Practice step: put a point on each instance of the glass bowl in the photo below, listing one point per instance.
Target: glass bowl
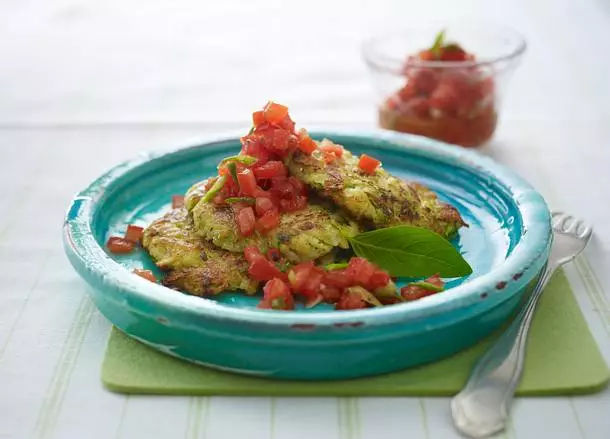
(453, 101)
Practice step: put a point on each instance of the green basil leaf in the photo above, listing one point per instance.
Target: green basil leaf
(407, 251)
(427, 286)
(244, 159)
(439, 40)
(232, 167)
(215, 189)
(336, 266)
(247, 200)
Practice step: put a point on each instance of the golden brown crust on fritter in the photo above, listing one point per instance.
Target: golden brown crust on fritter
(380, 199)
(191, 264)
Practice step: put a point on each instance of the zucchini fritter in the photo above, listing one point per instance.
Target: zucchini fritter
(380, 199)
(301, 236)
(192, 264)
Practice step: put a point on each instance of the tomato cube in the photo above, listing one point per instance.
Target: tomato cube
(247, 182)
(368, 164)
(263, 204)
(274, 168)
(378, 279)
(305, 279)
(414, 292)
(253, 147)
(252, 254)
(306, 143)
(134, 233)
(258, 118)
(275, 113)
(280, 140)
(146, 274)
(337, 279)
(287, 124)
(298, 186)
(427, 55)
(268, 221)
(332, 148)
(453, 53)
(261, 268)
(246, 221)
(276, 295)
(330, 294)
(360, 271)
(119, 245)
(350, 301)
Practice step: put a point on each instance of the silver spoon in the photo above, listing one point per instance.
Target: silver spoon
(481, 408)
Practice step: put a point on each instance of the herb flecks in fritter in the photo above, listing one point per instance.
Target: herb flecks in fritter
(192, 264)
(303, 235)
(379, 198)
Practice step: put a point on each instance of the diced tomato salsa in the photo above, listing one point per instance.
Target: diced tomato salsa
(264, 177)
(454, 104)
(314, 283)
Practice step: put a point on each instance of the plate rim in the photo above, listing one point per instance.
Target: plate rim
(98, 268)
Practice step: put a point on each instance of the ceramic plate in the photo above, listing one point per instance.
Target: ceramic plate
(506, 243)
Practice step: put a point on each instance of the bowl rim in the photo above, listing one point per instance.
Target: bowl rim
(99, 269)
(378, 61)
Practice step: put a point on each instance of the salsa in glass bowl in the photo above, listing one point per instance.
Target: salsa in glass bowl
(446, 89)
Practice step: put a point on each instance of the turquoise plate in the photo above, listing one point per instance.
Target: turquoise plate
(507, 244)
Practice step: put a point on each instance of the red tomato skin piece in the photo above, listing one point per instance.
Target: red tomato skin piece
(276, 292)
(368, 164)
(306, 143)
(275, 113)
(350, 301)
(247, 182)
(263, 205)
(118, 245)
(271, 169)
(146, 274)
(268, 221)
(246, 221)
(337, 279)
(134, 233)
(258, 118)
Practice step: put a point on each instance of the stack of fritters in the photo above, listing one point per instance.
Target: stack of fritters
(201, 251)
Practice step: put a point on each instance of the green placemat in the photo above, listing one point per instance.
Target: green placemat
(562, 358)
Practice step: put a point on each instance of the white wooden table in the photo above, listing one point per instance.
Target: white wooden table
(86, 84)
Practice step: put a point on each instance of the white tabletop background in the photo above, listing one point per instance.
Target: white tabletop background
(85, 84)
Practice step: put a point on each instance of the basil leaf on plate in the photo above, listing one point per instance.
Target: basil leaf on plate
(407, 251)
